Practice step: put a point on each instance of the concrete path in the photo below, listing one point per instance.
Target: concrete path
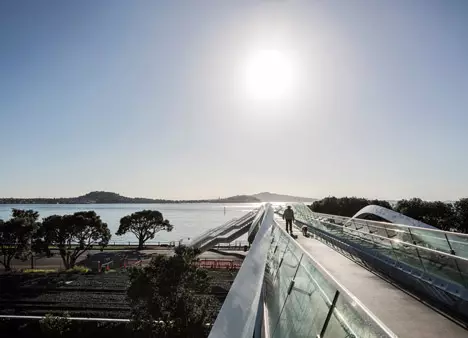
(399, 311)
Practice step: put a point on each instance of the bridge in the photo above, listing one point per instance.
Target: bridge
(343, 277)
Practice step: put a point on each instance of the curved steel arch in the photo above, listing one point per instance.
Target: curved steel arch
(392, 216)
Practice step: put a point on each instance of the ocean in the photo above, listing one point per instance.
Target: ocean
(189, 220)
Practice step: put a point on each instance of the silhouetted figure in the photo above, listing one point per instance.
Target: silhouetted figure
(288, 215)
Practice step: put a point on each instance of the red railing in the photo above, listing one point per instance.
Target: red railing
(219, 264)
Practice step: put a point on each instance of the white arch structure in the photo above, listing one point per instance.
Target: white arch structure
(392, 216)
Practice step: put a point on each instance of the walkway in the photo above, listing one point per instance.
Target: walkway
(401, 313)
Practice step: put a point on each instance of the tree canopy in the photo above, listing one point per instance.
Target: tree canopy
(144, 225)
(168, 297)
(73, 235)
(345, 206)
(16, 235)
(444, 215)
(435, 213)
(461, 215)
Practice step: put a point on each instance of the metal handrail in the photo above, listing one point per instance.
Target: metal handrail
(399, 241)
(442, 240)
(205, 235)
(419, 250)
(234, 225)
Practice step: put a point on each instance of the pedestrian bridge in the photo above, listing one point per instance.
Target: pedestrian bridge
(347, 277)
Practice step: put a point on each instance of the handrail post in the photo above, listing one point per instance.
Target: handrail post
(456, 261)
(417, 251)
(391, 243)
(281, 260)
(329, 314)
(450, 245)
(411, 235)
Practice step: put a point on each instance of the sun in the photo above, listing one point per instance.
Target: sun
(269, 75)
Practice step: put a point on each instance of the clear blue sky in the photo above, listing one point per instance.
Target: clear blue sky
(147, 98)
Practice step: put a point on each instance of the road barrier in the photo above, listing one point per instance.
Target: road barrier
(219, 264)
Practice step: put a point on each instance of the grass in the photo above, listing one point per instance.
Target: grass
(39, 270)
(110, 271)
(78, 269)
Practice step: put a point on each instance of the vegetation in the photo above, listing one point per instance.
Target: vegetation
(72, 235)
(144, 225)
(446, 216)
(16, 235)
(167, 297)
(63, 327)
(41, 271)
(79, 269)
(53, 326)
(84, 227)
(437, 213)
(345, 206)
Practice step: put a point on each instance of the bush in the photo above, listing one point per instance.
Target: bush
(53, 326)
(39, 270)
(78, 269)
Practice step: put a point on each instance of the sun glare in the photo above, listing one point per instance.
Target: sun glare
(269, 75)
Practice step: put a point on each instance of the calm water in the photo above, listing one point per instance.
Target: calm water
(189, 220)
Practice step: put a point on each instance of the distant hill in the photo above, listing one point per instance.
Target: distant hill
(238, 199)
(272, 197)
(104, 197)
(97, 197)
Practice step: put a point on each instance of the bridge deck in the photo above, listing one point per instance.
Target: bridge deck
(399, 311)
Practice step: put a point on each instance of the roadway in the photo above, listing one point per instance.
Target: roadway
(55, 262)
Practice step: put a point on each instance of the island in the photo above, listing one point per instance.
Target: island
(104, 197)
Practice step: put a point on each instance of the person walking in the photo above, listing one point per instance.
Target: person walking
(288, 215)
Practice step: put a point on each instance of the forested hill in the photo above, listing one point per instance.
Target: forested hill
(103, 197)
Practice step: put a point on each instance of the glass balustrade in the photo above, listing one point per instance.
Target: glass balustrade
(439, 253)
(448, 242)
(302, 300)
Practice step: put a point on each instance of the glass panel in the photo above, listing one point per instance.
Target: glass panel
(459, 244)
(443, 266)
(326, 289)
(302, 311)
(350, 319)
(430, 239)
(337, 329)
(384, 246)
(271, 283)
(279, 251)
(407, 254)
(282, 282)
(397, 232)
(377, 229)
(306, 308)
(463, 268)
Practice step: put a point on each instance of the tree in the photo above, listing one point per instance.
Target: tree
(16, 234)
(168, 297)
(73, 235)
(437, 213)
(144, 225)
(381, 203)
(461, 214)
(344, 206)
